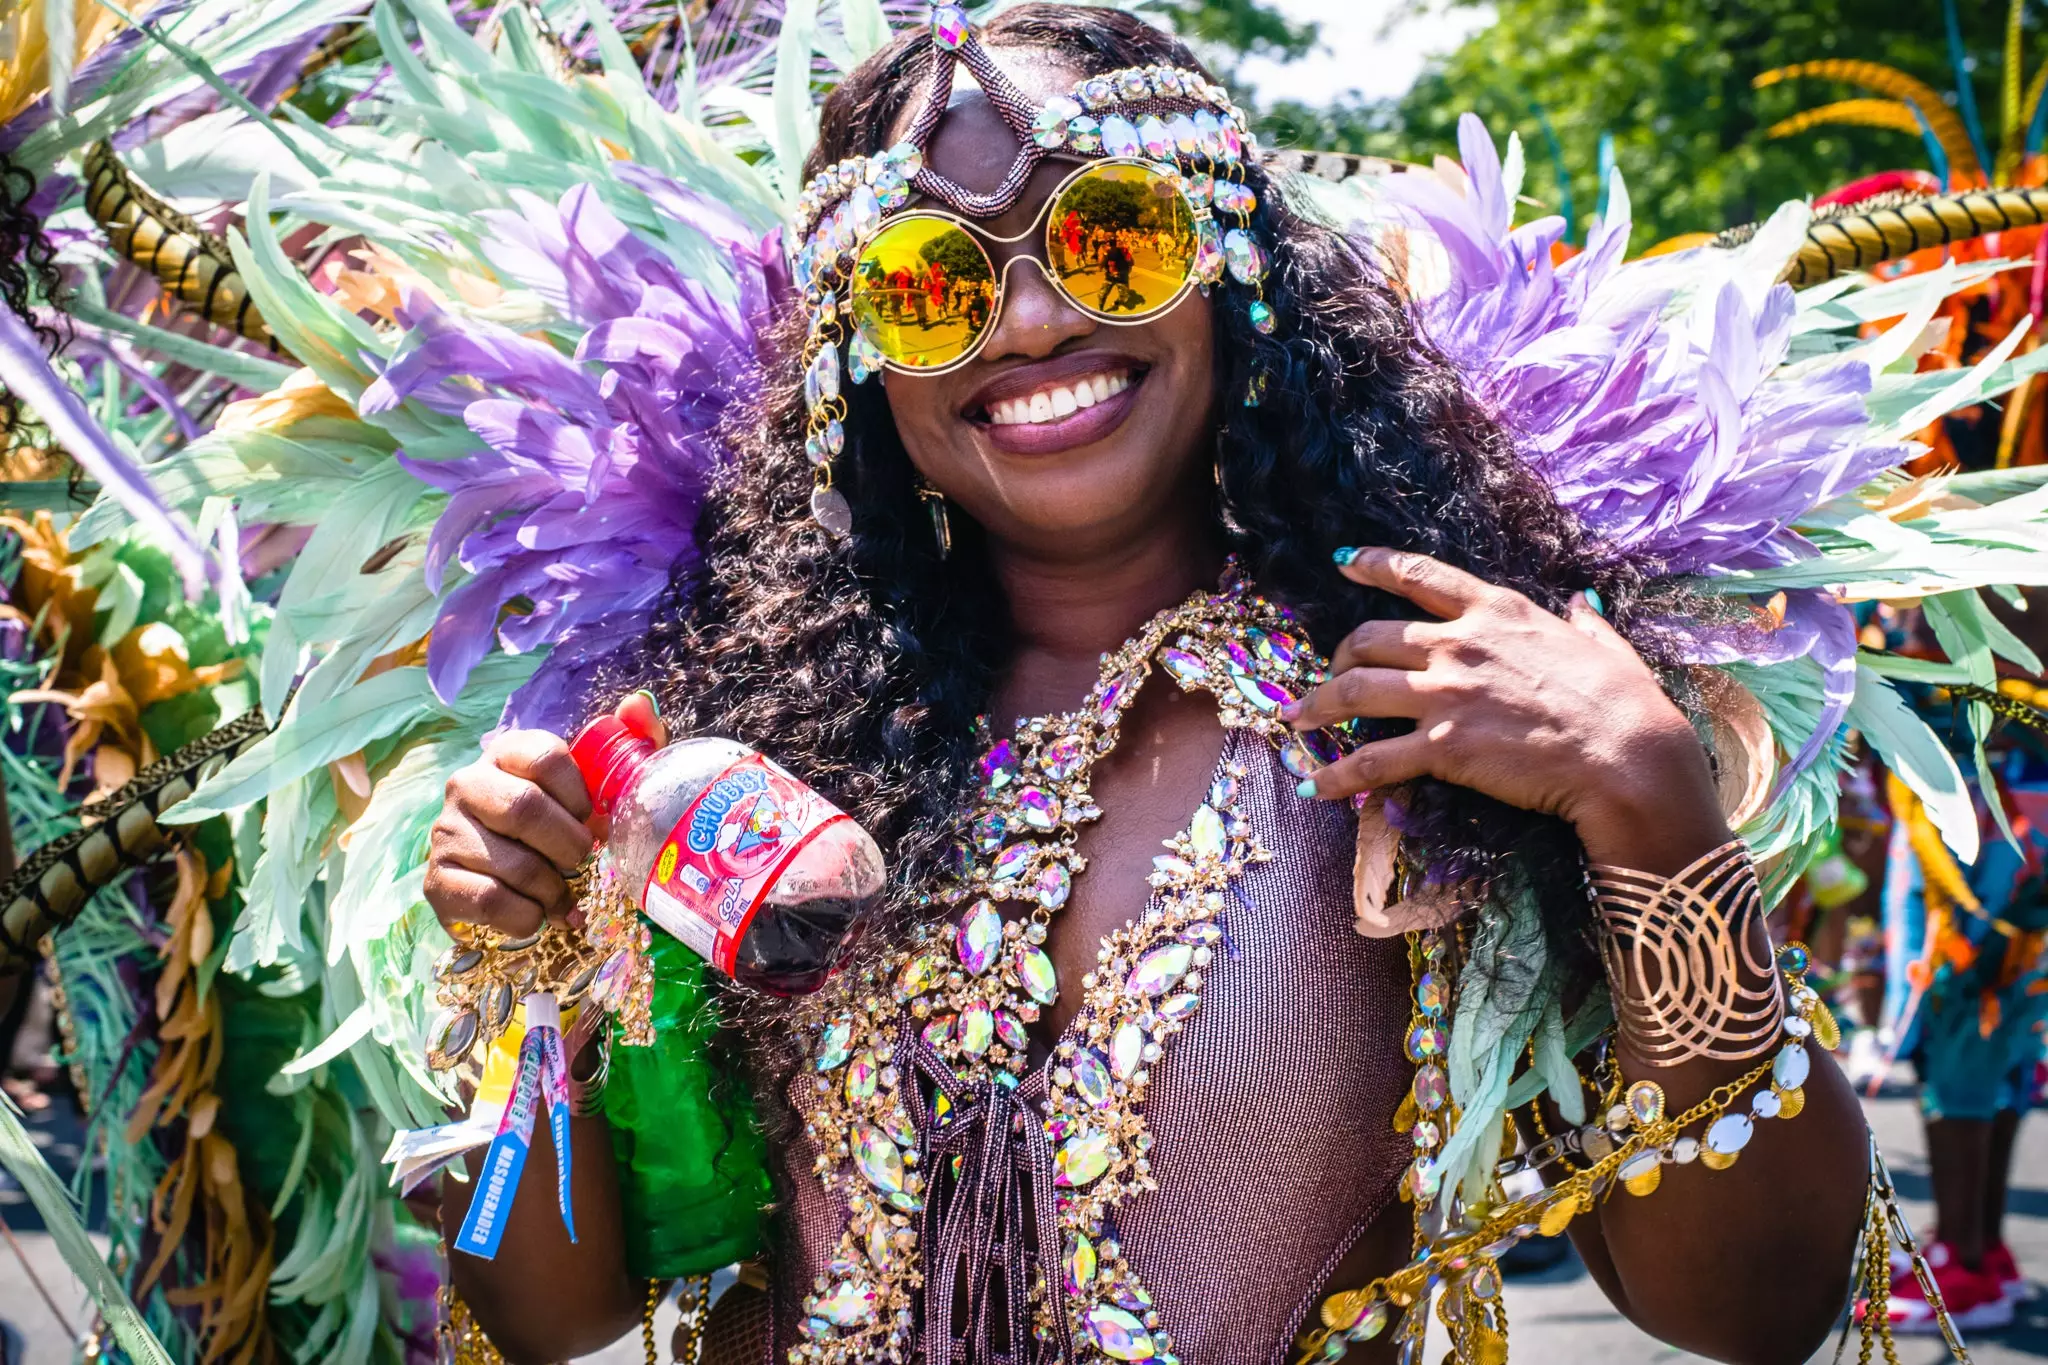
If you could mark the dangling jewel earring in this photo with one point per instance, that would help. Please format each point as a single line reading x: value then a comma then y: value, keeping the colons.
x: 942, y: 525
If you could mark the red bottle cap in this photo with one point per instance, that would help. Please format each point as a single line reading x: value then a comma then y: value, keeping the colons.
x: 609, y: 753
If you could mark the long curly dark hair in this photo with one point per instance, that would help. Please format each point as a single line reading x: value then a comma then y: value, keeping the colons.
x: 863, y: 664
x: 27, y: 267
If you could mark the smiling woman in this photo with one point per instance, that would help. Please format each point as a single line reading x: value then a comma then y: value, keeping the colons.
x: 1224, y: 534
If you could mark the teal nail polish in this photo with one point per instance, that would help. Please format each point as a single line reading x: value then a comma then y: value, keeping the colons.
x: 1307, y: 788
x: 1593, y: 600
x: 1345, y: 555
x: 652, y: 700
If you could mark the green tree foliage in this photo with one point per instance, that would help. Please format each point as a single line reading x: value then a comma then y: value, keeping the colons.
x: 1669, y: 81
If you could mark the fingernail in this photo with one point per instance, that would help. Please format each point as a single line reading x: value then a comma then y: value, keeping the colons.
x: 1345, y: 555
x: 1593, y: 600
x: 652, y: 700
x: 1290, y: 711
x: 1307, y: 787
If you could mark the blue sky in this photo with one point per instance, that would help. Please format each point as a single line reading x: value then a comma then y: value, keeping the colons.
x: 1355, y: 54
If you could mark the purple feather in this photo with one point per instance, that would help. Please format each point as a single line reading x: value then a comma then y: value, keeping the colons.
x: 1664, y: 428
x: 592, y: 469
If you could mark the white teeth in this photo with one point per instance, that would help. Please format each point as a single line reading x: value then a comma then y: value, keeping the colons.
x: 1057, y: 401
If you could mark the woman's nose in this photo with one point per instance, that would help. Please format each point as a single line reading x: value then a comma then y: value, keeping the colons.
x: 1036, y: 317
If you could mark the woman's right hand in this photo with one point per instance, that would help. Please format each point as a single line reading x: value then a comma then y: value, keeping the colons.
x: 511, y: 831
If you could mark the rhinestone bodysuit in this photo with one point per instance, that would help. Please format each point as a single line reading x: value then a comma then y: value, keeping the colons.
x: 1206, y: 1138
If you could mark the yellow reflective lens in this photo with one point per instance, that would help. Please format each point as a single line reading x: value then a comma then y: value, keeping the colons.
x: 1120, y: 239
x: 923, y: 291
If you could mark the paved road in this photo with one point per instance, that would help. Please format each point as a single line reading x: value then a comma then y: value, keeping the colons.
x: 1559, y: 1317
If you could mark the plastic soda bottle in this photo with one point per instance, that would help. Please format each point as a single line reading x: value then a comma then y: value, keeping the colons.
x: 753, y: 870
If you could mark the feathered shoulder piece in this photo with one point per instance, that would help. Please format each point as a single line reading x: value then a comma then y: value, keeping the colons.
x: 1746, y: 440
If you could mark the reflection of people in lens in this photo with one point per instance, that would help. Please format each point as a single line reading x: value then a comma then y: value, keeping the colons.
x: 1070, y: 238
x: 1116, y: 270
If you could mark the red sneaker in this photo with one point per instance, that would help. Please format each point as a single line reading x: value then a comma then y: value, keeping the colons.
x: 2000, y: 1266
x: 1973, y: 1297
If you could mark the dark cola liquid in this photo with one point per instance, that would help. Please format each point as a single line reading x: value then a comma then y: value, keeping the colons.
x: 791, y: 949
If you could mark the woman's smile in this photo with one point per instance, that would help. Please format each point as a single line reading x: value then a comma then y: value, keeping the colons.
x: 1054, y: 405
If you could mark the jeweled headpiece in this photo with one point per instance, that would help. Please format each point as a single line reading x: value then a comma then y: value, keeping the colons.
x: 1174, y: 117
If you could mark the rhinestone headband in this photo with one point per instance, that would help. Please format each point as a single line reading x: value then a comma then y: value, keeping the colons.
x: 1177, y: 118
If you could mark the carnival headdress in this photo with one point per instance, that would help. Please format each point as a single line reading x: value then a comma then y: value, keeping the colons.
x: 1186, y: 145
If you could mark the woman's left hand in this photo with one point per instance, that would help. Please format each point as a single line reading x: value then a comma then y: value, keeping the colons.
x: 1548, y: 713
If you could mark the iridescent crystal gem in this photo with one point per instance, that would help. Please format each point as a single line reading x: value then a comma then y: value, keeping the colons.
x: 1117, y: 1334
x: 1132, y: 84
x: 1791, y: 1067
x: 1209, y: 133
x: 1224, y: 791
x: 980, y: 938
x: 919, y: 975
x: 821, y: 380
x: 860, y: 1078
x: 1091, y: 1078
x: 1079, y: 1262
x: 613, y: 980
x: 999, y: 766
x: 1370, y: 1322
x: 1729, y: 1134
x: 897, y: 1125
x: 851, y: 1303
x: 1645, y: 1102
x: 1049, y: 130
x: 1307, y: 751
x: 1082, y: 1159
x: 1280, y: 647
x: 1166, y: 81
x: 1063, y: 757
x: 1097, y: 91
x: 1119, y: 138
x: 990, y: 831
x: 1012, y: 861
x: 977, y: 1028
x: 830, y: 510
x: 1205, y: 832
x: 1167, y: 865
x: 1152, y: 133
x: 1233, y: 141
x: 1429, y: 993
x: 1202, y: 188
x: 1245, y: 257
x: 1105, y: 704
x: 1035, y: 971
x: 1240, y: 656
x: 1179, y: 1006
x: 1181, y: 129
x: 880, y: 1252
x: 835, y: 1044
x: 879, y: 1159
x: 1127, y: 1051
x: 1232, y: 197
x: 1010, y: 1031
x: 863, y: 358
x: 1084, y: 134
x: 1202, y: 935
x: 863, y: 210
x: 939, y: 1031
x: 1158, y: 971
x: 949, y: 27
x: 1187, y: 667
x: 1209, y: 263
x: 1426, y: 1135
x: 1038, y: 808
x: 1426, y: 1041
x: 1793, y: 958
x: 1053, y: 885
x: 1267, y: 696
x: 1261, y: 314
x: 906, y: 157
x: 1432, y: 1089
x: 1422, y: 1179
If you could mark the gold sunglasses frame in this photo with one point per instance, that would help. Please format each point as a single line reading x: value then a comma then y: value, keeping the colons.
x: 1040, y: 225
